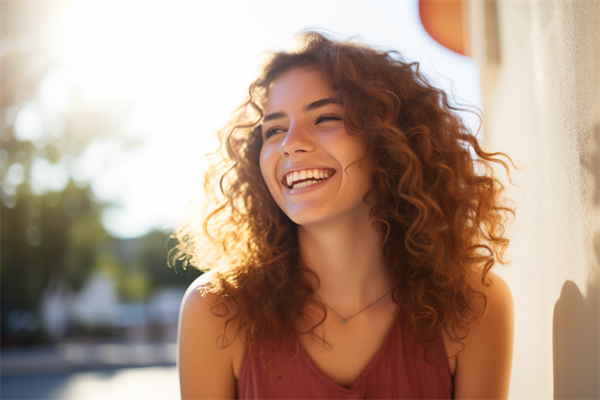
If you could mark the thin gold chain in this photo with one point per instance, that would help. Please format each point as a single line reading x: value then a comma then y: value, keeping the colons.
x: 344, y: 320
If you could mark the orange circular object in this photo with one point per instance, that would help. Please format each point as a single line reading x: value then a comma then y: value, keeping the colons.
x: 443, y: 20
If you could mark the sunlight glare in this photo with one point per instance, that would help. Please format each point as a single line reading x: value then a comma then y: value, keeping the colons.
x: 184, y: 67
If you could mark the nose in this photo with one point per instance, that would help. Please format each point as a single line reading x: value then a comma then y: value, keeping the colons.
x: 296, y: 141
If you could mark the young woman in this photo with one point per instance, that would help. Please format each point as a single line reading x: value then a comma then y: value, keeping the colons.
x: 355, y: 221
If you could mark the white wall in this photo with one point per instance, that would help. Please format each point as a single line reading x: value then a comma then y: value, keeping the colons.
x: 540, y: 84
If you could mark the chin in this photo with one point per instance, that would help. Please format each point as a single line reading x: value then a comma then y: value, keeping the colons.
x: 305, y: 220
x: 308, y: 216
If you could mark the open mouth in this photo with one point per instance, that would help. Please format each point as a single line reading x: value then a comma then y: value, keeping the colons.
x: 307, y: 177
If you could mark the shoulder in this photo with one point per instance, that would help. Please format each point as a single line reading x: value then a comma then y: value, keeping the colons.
x: 198, y: 301
x: 495, y: 317
x: 484, y: 365
x: 195, y: 312
x: 205, y: 361
x: 498, y: 305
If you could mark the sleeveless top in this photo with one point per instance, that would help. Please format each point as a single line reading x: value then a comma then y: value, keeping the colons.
x: 397, y: 371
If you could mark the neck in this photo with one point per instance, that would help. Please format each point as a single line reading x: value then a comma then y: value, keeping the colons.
x: 347, y: 256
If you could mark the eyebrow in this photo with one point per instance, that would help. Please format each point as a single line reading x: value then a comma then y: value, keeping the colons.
x: 276, y: 115
x: 320, y: 103
x: 312, y: 106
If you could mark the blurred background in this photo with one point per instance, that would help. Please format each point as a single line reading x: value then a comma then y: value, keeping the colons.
x: 107, y: 110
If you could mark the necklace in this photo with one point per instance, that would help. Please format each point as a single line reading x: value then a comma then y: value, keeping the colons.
x: 344, y: 320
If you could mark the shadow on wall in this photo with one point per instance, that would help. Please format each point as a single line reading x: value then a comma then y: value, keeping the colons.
x: 576, y: 322
x: 575, y: 344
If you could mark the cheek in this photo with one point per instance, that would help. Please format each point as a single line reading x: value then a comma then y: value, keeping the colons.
x: 361, y: 168
x: 352, y: 153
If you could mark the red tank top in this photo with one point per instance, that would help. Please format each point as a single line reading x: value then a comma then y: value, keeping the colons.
x: 397, y: 371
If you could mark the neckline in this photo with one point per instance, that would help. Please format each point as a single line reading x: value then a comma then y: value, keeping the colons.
x: 362, y: 377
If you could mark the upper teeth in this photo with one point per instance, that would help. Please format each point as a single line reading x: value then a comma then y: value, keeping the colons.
x: 314, y: 174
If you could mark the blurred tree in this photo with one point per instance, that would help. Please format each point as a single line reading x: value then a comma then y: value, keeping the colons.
x: 144, y: 269
x: 46, y: 238
x: 50, y: 221
x: 50, y: 225
x: 154, y: 248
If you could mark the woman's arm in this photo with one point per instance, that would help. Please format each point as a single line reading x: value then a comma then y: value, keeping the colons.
x: 205, y: 369
x: 483, y: 368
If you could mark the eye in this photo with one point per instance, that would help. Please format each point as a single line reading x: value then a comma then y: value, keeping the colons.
x: 273, y: 131
x: 327, y: 117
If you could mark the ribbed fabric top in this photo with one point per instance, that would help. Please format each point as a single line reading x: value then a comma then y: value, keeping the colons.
x: 397, y: 371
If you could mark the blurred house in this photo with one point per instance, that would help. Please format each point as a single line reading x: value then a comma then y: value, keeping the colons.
x: 163, y: 311
x: 97, y: 306
x: 56, y: 309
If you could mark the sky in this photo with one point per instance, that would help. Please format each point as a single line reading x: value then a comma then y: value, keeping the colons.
x: 182, y: 68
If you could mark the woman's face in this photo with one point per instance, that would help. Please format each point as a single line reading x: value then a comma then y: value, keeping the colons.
x: 308, y: 159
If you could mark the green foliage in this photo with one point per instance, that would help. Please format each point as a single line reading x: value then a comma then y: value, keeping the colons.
x: 38, y: 245
x: 58, y: 235
x: 143, y: 266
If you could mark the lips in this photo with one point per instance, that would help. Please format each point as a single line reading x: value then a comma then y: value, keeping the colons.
x: 306, y: 177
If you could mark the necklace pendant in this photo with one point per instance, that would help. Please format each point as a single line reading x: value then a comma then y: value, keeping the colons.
x: 344, y: 320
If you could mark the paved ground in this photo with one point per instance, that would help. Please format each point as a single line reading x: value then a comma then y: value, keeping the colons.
x: 90, y: 370
x: 79, y: 356
x: 123, y: 383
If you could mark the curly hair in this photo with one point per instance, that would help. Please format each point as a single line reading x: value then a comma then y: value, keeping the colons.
x: 434, y: 199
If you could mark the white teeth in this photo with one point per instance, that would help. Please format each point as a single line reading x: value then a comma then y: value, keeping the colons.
x: 304, y: 184
x: 303, y: 175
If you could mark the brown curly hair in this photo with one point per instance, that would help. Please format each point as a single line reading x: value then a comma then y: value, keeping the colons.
x: 434, y: 199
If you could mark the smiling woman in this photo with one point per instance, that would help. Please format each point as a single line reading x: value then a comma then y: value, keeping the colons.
x: 347, y: 184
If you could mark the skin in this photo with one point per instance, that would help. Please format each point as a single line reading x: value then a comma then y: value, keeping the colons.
x: 337, y: 241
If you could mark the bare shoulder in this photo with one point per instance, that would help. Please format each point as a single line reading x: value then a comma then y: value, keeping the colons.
x: 197, y: 302
x: 205, y: 365
x: 499, y: 300
x: 483, y: 367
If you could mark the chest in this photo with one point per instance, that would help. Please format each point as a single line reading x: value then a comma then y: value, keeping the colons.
x: 347, y: 349
x: 373, y: 359
x: 342, y: 351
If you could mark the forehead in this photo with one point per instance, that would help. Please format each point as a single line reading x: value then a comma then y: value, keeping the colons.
x: 297, y: 87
